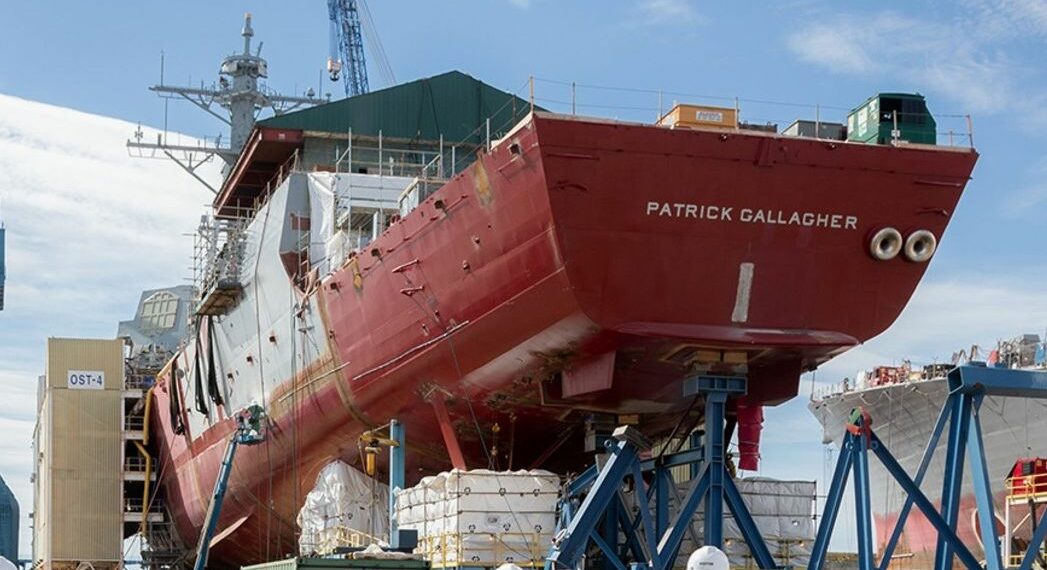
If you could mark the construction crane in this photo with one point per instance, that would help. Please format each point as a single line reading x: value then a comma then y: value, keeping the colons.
x: 350, y: 22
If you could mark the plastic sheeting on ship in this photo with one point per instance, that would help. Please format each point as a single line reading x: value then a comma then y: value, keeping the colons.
x: 335, y: 200
x: 482, y: 518
x: 345, y: 508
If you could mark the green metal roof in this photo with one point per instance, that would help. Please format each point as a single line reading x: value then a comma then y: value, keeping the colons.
x: 452, y: 104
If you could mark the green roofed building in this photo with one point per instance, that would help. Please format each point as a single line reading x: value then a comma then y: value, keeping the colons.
x: 395, y: 130
x: 453, y: 105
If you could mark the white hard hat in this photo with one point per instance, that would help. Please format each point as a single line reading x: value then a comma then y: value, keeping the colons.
x: 708, y: 558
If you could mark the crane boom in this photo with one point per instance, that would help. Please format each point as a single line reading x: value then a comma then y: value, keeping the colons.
x: 250, y: 430
x: 347, y: 46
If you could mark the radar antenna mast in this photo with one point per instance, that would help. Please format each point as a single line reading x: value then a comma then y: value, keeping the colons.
x: 239, y: 93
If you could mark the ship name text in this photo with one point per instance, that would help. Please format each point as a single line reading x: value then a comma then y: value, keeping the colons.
x: 752, y: 215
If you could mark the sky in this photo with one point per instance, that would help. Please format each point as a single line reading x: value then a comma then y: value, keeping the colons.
x: 90, y: 227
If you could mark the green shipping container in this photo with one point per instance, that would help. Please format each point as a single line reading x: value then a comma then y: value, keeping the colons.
x: 873, y: 120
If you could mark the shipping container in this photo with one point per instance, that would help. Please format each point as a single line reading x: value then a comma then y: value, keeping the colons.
x: 816, y: 129
x: 79, y: 461
x: 700, y: 116
x: 887, y: 117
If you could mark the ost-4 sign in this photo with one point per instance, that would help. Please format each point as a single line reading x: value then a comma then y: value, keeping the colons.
x: 86, y: 379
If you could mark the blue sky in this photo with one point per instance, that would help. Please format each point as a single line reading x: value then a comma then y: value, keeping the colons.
x: 981, y: 57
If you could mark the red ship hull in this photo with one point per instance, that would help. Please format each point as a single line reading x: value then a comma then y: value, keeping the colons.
x: 580, y: 266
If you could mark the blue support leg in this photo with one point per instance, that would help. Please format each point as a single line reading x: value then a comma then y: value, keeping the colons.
x: 696, y: 443
x: 715, y: 403
x: 397, y: 460
x: 945, y: 533
x: 832, y: 504
x: 669, y: 544
x: 661, y: 501
x: 952, y: 485
x: 609, y: 532
x: 631, y: 540
x: 983, y: 489
x: 569, y: 549
x: 862, y: 504
x: 609, y: 555
x: 1034, y: 544
x: 925, y: 462
x: 757, y: 546
x: 643, y: 494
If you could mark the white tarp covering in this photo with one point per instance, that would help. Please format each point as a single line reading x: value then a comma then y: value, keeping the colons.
x: 784, y: 514
x: 345, y: 508
x: 333, y: 197
x: 482, y: 518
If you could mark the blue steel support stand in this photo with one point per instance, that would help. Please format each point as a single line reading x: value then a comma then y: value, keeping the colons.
x: 653, y: 539
x: 715, y: 402
x: 968, y: 385
x: 397, y: 455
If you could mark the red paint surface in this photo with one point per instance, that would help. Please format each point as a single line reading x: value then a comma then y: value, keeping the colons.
x: 554, y: 260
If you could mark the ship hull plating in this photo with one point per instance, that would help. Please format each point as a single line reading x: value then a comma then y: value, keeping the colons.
x: 579, y: 267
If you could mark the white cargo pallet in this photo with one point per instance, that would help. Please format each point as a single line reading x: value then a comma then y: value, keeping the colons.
x: 482, y: 518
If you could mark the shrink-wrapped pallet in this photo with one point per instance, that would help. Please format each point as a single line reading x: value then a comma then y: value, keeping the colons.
x: 346, y: 508
x: 482, y: 518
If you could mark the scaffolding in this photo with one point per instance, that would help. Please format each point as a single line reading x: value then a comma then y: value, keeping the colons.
x: 218, y: 259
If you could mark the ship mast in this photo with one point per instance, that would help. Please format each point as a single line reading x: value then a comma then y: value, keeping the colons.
x: 239, y: 93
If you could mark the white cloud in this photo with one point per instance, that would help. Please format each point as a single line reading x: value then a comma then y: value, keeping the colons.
x: 945, y: 316
x: 858, y: 45
x: 959, y: 59
x: 521, y: 3
x: 1026, y: 202
x: 1029, y: 201
x: 830, y: 47
x: 1003, y: 19
x: 88, y: 228
x: 658, y: 12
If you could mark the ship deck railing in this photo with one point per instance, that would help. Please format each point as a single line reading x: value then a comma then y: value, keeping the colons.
x: 1019, y: 489
x: 955, y: 130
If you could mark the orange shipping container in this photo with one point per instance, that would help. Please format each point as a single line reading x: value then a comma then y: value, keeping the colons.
x: 700, y: 116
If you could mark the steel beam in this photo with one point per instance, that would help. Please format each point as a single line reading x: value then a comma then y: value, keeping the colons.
x: 715, y: 402
x: 952, y: 480
x: 605, y: 488
x: 862, y: 503
x: 925, y: 462
x: 982, y: 487
x: 454, y: 451
x: 747, y: 525
x: 832, y: 505
x: 397, y: 460
x: 924, y: 504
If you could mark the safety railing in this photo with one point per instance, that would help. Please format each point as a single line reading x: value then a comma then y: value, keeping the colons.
x: 331, y: 539
x: 134, y: 423
x: 136, y: 505
x: 135, y: 464
x: 650, y: 105
x: 138, y: 381
x: 485, y: 549
x: 1025, y: 487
